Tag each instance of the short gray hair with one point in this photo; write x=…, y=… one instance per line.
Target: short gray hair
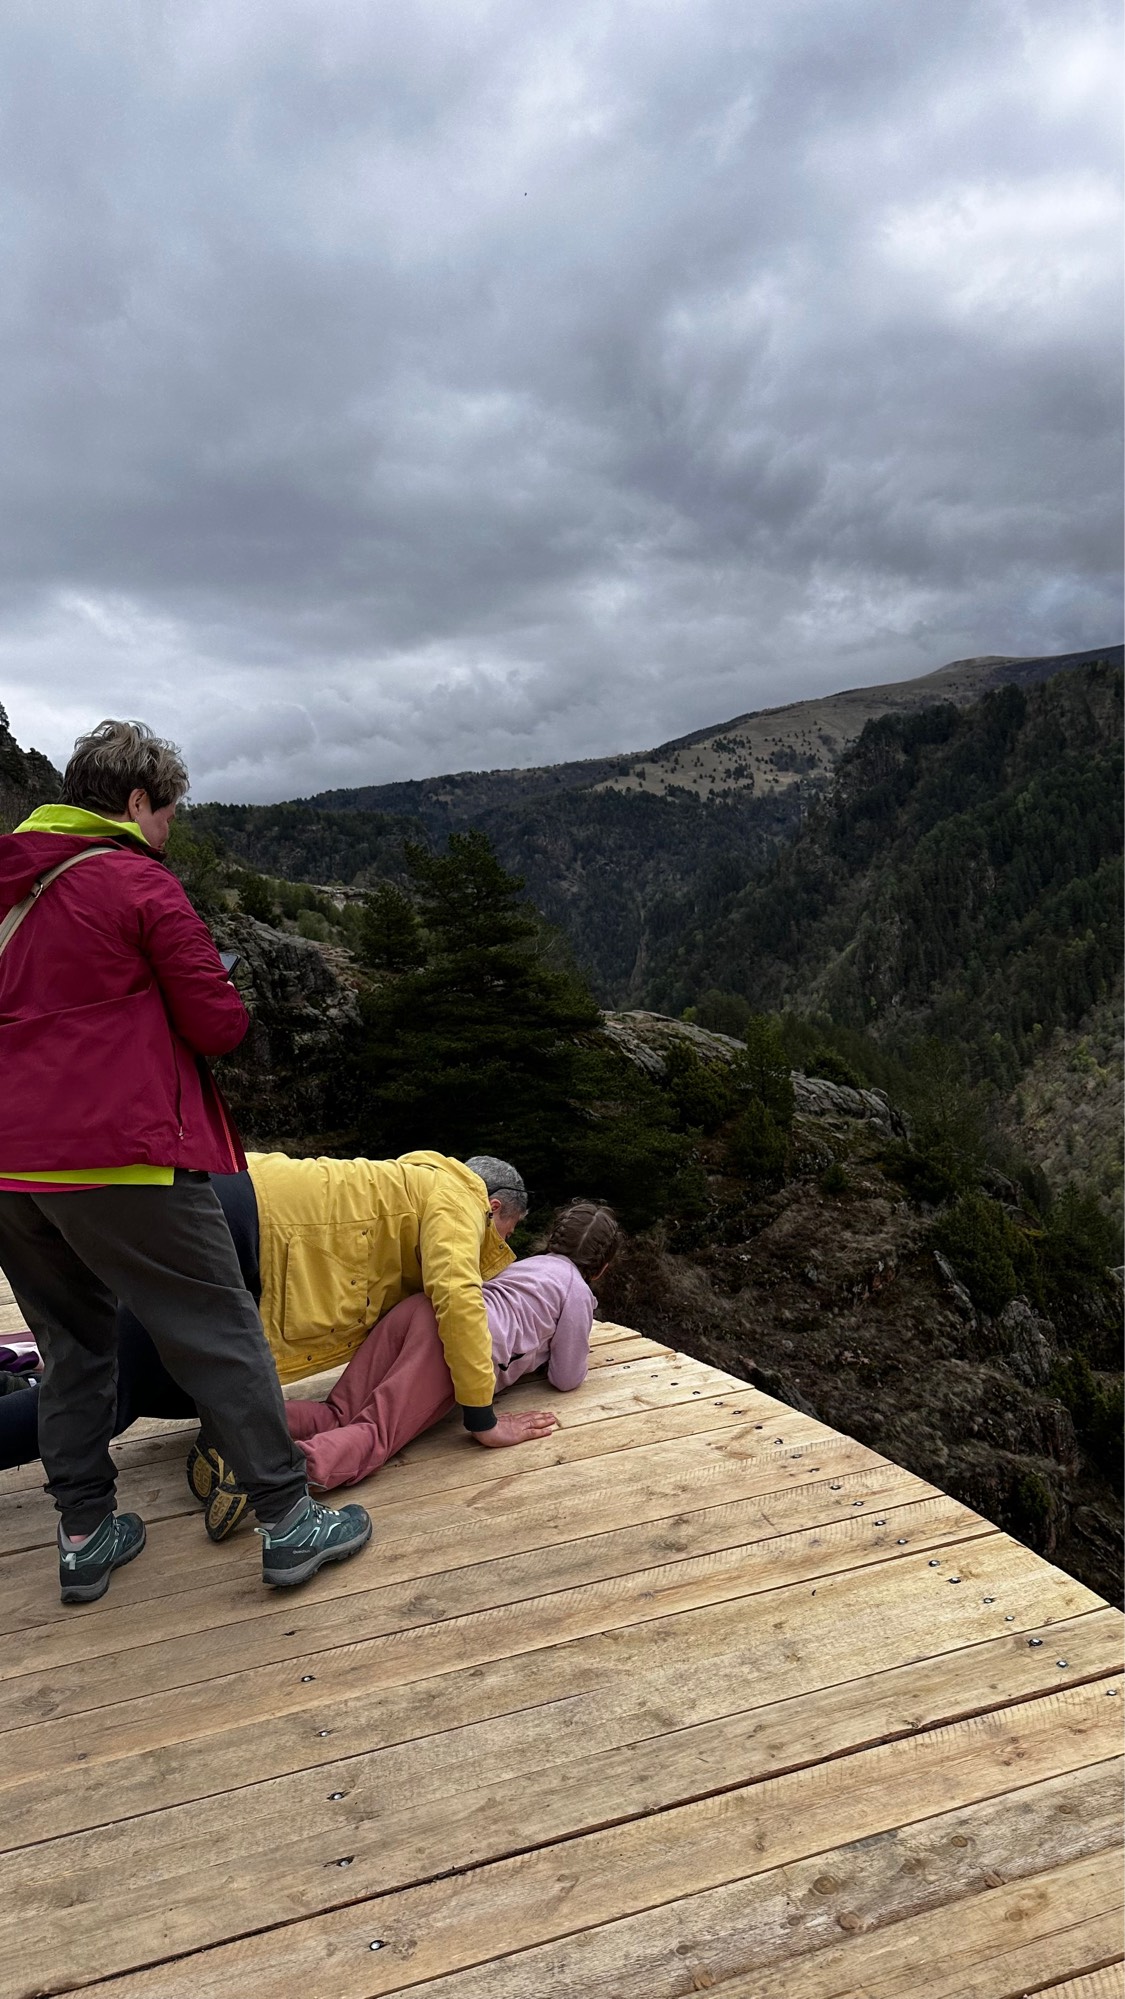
x=118, y=758
x=504, y=1184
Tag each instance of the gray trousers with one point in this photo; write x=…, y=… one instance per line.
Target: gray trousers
x=167, y=1254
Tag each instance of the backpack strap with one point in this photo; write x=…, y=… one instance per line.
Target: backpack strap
x=16, y=915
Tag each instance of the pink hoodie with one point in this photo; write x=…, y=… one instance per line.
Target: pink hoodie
x=540, y=1310
x=397, y=1384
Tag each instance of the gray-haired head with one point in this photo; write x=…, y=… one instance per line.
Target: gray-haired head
x=118, y=758
x=503, y=1182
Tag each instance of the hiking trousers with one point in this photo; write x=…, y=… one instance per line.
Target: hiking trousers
x=394, y=1386
x=167, y=1254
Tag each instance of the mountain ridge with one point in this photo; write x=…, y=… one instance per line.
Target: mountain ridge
x=615, y=860
x=960, y=681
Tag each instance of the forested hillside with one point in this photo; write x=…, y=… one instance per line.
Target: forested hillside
x=612, y=871
x=964, y=881
x=619, y=853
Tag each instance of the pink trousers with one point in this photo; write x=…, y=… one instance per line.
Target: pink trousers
x=392, y=1389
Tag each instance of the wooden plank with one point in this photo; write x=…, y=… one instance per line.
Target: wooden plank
x=11, y=1317
x=374, y=1692
x=394, y=1837
x=608, y=1685
x=427, y=1534
x=29, y=1477
x=996, y=1942
x=885, y=1833
x=425, y=1642
x=588, y=1735
x=445, y=1448
x=1001, y=1942
x=262, y=1630
x=232, y=1598
x=444, y=1457
x=593, y=1699
x=628, y=1346
x=155, y=1439
x=1109, y=1983
x=158, y=1489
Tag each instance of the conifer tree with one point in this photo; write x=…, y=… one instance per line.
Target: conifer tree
x=390, y=936
x=476, y=1049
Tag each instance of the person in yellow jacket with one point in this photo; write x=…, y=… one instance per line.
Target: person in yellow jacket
x=342, y=1240
x=328, y=1246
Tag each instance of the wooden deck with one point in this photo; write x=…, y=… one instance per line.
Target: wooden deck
x=696, y=1696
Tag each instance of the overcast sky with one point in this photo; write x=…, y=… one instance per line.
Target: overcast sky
x=392, y=389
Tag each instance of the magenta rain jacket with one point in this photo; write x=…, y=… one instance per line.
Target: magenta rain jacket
x=111, y=992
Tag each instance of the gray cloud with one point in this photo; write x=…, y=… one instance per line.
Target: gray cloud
x=391, y=391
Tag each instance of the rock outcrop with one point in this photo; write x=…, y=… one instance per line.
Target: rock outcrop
x=288, y=1081
x=645, y=1038
x=837, y=1302
x=27, y=779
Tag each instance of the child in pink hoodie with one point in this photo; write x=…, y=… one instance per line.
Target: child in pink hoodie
x=539, y=1312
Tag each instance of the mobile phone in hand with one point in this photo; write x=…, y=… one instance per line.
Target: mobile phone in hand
x=229, y=959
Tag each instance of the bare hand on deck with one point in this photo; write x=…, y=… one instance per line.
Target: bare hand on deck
x=517, y=1429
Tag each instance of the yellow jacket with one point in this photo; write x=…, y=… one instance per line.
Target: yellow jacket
x=342, y=1240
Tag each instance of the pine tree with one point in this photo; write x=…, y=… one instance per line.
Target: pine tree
x=390, y=937
x=476, y=1050
x=255, y=897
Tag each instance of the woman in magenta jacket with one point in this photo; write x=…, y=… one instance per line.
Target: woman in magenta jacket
x=112, y=996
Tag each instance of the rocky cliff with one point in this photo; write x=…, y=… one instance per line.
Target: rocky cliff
x=829, y=1293
x=288, y=1082
x=27, y=779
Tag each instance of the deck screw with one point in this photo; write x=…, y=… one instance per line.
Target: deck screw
x=306, y=1677
x=1010, y=1618
x=1111, y=1693
x=759, y=1426
x=346, y=1861
x=857, y=1502
x=322, y=1732
x=988, y=1599
x=935, y=1564
x=834, y=1487
x=334, y=1797
x=901, y=1542
x=1034, y=1641
x=1060, y=1662
x=376, y=1945
x=953, y=1579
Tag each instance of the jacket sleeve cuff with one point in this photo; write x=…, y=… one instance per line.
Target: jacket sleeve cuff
x=482, y=1417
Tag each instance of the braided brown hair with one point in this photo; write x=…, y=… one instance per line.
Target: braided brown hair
x=588, y=1233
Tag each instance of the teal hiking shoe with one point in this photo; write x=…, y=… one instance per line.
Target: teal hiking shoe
x=84, y=1572
x=305, y=1539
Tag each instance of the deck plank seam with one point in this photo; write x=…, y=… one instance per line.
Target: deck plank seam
x=786, y=1769
x=491, y=1488
x=683, y=1506
x=561, y=1840
x=1053, y=1984
x=983, y=1533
